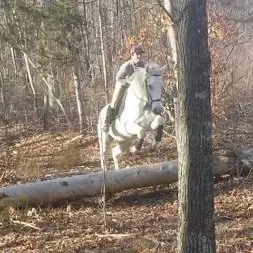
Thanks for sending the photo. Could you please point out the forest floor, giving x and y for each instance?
(139, 220)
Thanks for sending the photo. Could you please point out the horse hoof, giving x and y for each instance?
(134, 150)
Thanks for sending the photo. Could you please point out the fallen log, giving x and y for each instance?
(67, 188)
(87, 185)
(244, 156)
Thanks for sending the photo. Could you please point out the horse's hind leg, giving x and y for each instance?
(118, 151)
(104, 146)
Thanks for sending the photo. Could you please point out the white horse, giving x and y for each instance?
(139, 112)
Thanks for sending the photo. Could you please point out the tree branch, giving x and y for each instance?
(165, 10)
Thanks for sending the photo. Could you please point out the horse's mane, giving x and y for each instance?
(150, 69)
(153, 69)
(138, 75)
(141, 73)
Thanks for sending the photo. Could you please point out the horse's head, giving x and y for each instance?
(147, 84)
(154, 84)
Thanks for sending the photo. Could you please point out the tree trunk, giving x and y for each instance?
(194, 129)
(35, 102)
(171, 33)
(103, 52)
(3, 105)
(86, 35)
(90, 185)
(50, 88)
(45, 112)
(78, 99)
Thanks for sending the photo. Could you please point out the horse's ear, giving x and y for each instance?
(163, 68)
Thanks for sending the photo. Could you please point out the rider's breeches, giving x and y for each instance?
(119, 90)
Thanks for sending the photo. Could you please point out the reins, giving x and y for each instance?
(150, 98)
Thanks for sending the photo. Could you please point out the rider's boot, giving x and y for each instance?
(119, 91)
(110, 115)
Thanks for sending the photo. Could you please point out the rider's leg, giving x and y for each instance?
(111, 110)
(118, 92)
(109, 116)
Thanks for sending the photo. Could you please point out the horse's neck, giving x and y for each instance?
(138, 86)
(133, 107)
(134, 103)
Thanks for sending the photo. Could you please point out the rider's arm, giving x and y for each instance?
(140, 64)
(125, 70)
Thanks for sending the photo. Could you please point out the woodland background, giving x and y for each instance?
(58, 61)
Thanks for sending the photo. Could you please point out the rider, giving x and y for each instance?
(125, 71)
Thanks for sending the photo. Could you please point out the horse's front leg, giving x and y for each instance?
(140, 132)
(158, 126)
(118, 151)
(138, 144)
(158, 136)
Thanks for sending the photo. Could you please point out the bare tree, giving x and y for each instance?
(103, 52)
(194, 128)
(31, 83)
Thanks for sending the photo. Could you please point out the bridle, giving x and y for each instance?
(150, 99)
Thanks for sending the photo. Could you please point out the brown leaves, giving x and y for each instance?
(140, 220)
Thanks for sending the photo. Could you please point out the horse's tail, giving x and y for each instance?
(103, 138)
(101, 119)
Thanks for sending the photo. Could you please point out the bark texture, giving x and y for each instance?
(194, 129)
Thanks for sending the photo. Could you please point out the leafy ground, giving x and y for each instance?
(140, 220)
